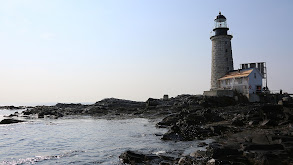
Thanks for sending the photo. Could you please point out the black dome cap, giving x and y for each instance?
(220, 16)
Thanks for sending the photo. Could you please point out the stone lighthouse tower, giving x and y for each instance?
(222, 61)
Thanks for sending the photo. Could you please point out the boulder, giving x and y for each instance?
(264, 147)
(131, 157)
(168, 121)
(10, 121)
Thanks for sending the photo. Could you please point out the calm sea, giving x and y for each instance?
(81, 140)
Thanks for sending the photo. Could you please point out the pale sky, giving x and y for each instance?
(83, 51)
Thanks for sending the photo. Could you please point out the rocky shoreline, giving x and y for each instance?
(244, 133)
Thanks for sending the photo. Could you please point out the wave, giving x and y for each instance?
(40, 158)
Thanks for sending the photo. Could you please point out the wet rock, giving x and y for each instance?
(218, 162)
(202, 144)
(220, 129)
(152, 102)
(271, 111)
(238, 122)
(71, 105)
(10, 121)
(171, 135)
(269, 122)
(168, 121)
(134, 158)
(11, 107)
(223, 152)
(198, 154)
(185, 161)
(217, 101)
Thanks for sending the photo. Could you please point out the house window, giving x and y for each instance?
(226, 42)
(227, 59)
(228, 69)
(239, 81)
(258, 89)
(226, 50)
(254, 75)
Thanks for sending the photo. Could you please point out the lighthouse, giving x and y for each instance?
(224, 79)
(222, 61)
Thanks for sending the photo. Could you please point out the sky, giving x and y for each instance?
(84, 51)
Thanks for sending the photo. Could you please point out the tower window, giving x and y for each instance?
(228, 69)
(226, 50)
(226, 42)
(227, 59)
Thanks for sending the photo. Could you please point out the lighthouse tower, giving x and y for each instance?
(222, 61)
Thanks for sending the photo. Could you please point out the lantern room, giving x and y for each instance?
(221, 27)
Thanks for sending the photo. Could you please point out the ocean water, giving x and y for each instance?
(82, 140)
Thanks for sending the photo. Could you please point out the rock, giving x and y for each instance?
(187, 160)
(218, 162)
(165, 163)
(198, 154)
(182, 161)
(273, 112)
(202, 144)
(171, 135)
(264, 147)
(220, 153)
(152, 102)
(220, 129)
(238, 122)
(10, 107)
(194, 119)
(10, 121)
(211, 162)
(217, 101)
(71, 105)
(254, 122)
(261, 139)
(269, 122)
(132, 158)
(168, 121)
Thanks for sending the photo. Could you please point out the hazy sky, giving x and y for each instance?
(84, 51)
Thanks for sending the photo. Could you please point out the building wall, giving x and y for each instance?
(219, 92)
(240, 84)
(222, 60)
(255, 79)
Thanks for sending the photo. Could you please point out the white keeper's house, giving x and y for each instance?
(245, 81)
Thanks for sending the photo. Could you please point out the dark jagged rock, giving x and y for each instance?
(217, 101)
(153, 102)
(10, 107)
(264, 147)
(134, 158)
(71, 105)
(10, 121)
(168, 121)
